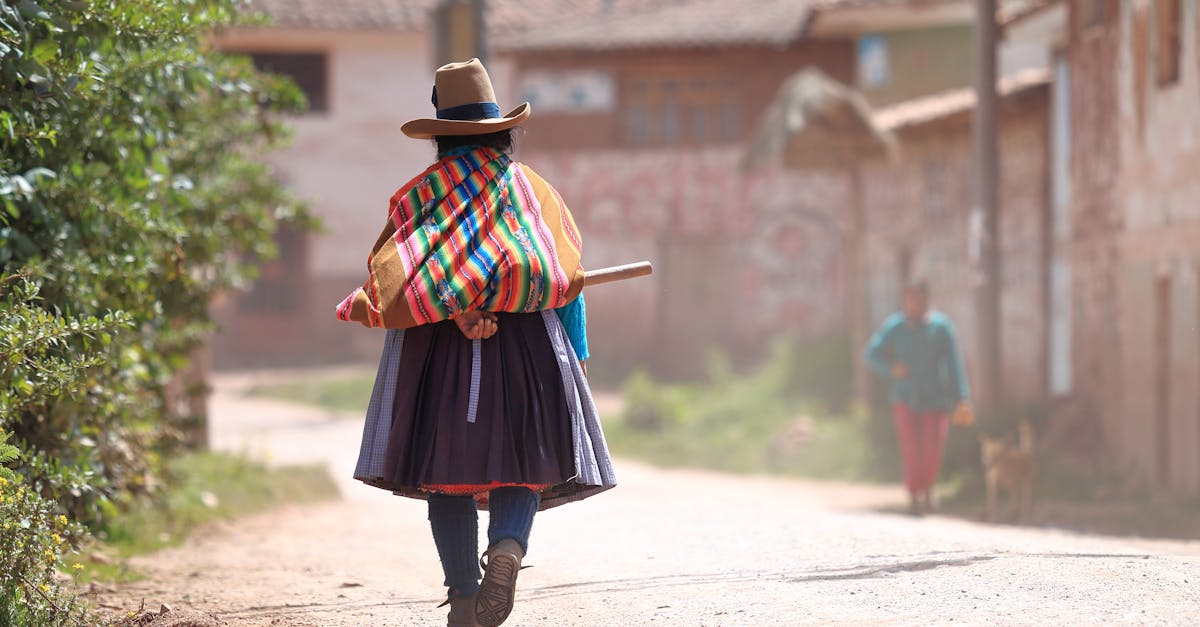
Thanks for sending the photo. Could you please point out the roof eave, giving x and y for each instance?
(1010, 88)
(503, 49)
(1007, 18)
(830, 22)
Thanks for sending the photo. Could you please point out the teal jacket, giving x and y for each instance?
(936, 380)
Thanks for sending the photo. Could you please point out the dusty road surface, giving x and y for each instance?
(664, 548)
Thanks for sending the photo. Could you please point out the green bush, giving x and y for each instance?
(131, 192)
(33, 538)
(764, 421)
(348, 394)
(824, 370)
(650, 407)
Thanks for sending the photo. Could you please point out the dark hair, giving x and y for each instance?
(500, 141)
(917, 284)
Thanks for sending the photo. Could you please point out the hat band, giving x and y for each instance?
(474, 111)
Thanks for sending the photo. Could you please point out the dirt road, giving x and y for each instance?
(664, 548)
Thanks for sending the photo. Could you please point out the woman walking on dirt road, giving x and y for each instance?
(481, 399)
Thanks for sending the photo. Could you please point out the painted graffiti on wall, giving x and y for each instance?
(795, 268)
(785, 228)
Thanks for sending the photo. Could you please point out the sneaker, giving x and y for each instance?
(462, 611)
(932, 502)
(915, 507)
(494, 601)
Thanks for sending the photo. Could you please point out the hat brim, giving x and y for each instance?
(428, 128)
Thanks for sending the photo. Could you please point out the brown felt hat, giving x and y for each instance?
(465, 103)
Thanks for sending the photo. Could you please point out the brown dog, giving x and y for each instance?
(1010, 468)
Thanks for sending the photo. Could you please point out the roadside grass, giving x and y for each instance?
(764, 421)
(832, 448)
(345, 394)
(202, 488)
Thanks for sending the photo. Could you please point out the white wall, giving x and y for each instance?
(1030, 43)
(349, 160)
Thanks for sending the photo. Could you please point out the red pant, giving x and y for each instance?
(922, 436)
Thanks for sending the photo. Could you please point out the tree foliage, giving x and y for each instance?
(132, 191)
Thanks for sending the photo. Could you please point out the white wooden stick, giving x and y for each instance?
(617, 273)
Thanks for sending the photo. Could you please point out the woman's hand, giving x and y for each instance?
(964, 415)
(477, 325)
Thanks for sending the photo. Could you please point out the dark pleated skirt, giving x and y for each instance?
(448, 414)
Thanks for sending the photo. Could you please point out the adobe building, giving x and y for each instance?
(1132, 232)
(641, 121)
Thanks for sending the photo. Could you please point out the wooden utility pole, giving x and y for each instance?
(986, 218)
(459, 31)
(856, 287)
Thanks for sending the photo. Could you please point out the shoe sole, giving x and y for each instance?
(494, 601)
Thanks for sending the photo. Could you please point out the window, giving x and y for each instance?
(281, 281)
(669, 127)
(873, 71)
(637, 125)
(699, 124)
(935, 192)
(1094, 12)
(670, 110)
(731, 121)
(575, 92)
(309, 70)
(1168, 40)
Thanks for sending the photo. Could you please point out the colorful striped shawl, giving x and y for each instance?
(476, 231)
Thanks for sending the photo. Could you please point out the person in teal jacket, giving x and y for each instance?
(917, 350)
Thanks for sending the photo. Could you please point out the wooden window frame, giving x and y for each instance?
(1168, 38)
(1096, 13)
(281, 286)
(1162, 378)
(671, 106)
(289, 63)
